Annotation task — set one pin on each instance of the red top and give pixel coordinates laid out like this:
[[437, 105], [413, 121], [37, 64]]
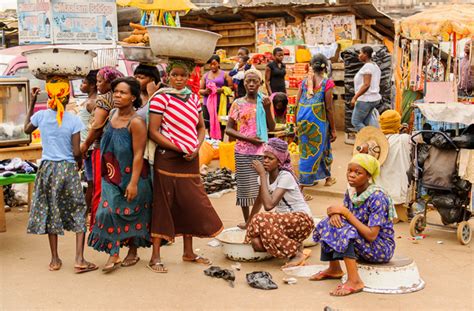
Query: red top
[[180, 119]]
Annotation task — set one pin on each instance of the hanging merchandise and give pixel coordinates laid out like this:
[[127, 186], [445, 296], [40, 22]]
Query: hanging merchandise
[[344, 27]]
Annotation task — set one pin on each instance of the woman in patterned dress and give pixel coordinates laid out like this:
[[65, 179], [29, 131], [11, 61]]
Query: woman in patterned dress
[[315, 124], [58, 201], [360, 229], [282, 232], [123, 216]]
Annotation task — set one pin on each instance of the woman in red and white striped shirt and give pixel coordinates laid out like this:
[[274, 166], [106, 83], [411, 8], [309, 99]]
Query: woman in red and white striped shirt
[[180, 204]]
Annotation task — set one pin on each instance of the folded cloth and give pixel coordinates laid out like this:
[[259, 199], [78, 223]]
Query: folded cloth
[[222, 112]]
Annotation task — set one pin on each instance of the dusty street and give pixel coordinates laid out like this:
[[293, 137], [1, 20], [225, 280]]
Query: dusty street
[[27, 284]]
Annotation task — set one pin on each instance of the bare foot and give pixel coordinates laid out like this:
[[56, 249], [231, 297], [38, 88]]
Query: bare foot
[[348, 288], [55, 264], [327, 274], [297, 260]]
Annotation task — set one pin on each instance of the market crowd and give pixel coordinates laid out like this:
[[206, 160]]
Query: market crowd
[[138, 139]]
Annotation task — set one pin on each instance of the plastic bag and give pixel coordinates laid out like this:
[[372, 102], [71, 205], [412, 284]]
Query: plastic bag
[[303, 56], [206, 154], [218, 272], [261, 280], [227, 155]]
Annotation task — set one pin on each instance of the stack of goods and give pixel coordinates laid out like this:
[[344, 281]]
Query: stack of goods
[[298, 73], [218, 180], [139, 36], [352, 65], [261, 59], [11, 167], [291, 115]]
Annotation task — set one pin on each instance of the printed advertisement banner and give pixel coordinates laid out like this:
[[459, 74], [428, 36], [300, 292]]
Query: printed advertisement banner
[[34, 22], [67, 21]]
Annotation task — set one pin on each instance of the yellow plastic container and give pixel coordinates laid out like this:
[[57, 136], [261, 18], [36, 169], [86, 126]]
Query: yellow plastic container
[[206, 154], [227, 155]]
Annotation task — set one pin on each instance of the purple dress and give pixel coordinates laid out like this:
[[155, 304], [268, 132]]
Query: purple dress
[[373, 212], [219, 81]]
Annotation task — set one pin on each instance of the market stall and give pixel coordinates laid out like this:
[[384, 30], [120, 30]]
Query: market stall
[[301, 30]]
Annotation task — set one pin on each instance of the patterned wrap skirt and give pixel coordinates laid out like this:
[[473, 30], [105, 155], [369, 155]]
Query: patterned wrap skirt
[[180, 204], [58, 200], [246, 176], [281, 233]]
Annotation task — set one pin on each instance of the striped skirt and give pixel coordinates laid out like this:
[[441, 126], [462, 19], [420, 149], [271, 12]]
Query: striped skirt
[[246, 176]]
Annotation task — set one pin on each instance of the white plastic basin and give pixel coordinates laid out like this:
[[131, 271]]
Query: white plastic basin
[[234, 248]]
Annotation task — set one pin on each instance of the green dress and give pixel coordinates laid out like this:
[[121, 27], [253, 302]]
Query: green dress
[[117, 221]]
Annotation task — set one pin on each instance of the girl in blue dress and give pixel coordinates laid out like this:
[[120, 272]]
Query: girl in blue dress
[[360, 229]]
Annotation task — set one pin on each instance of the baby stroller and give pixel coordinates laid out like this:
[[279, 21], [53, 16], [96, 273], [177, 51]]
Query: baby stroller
[[435, 184]]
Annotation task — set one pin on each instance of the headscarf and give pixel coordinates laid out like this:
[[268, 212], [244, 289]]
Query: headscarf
[[187, 65], [390, 122], [372, 166], [369, 163], [262, 129], [58, 88], [279, 148], [110, 73]]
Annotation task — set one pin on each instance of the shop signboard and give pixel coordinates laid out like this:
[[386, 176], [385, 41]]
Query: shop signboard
[[34, 22], [67, 21]]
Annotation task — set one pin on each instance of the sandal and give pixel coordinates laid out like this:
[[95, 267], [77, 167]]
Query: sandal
[[112, 267], [321, 275], [130, 262], [56, 267], [330, 181], [162, 269], [89, 266], [349, 291], [308, 197], [198, 259]]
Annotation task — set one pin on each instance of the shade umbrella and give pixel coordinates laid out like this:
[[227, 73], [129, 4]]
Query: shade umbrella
[[440, 22]]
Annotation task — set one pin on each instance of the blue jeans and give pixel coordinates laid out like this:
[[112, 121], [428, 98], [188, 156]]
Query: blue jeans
[[362, 115], [333, 255]]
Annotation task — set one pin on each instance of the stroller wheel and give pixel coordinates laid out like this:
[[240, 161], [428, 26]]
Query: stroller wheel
[[464, 233], [417, 225]]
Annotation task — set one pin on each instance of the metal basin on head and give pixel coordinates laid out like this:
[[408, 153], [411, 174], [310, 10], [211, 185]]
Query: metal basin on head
[[182, 42]]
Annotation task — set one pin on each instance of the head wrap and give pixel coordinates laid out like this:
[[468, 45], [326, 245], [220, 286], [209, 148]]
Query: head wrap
[[390, 122], [254, 71], [187, 65], [279, 148], [110, 74], [369, 163], [58, 89]]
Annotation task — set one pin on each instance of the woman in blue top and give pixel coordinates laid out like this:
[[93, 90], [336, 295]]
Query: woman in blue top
[[58, 201]]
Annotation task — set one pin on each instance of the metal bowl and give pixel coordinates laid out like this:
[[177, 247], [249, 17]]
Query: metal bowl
[[73, 63], [235, 249], [142, 54], [181, 42]]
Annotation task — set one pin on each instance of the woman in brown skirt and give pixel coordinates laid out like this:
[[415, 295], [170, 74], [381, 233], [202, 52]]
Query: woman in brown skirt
[[282, 232], [180, 204]]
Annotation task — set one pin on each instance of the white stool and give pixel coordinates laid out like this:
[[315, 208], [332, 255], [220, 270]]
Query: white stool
[[399, 276]]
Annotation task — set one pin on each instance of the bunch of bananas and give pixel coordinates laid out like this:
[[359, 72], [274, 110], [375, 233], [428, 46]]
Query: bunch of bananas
[[293, 148]]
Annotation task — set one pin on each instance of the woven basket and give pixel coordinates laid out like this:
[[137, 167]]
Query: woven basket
[[295, 163]]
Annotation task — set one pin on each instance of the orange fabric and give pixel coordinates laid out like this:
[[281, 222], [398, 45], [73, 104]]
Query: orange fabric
[[58, 89]]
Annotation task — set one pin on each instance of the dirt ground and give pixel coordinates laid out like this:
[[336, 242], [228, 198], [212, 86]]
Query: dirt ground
[[26, 283]]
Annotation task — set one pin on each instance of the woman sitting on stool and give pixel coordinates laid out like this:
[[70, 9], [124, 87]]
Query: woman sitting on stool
[[360, 229]]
